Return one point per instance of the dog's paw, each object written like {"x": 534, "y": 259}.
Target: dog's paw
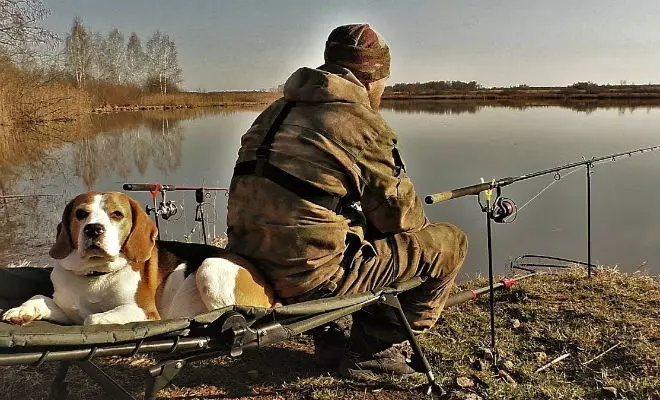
{"x": 22, "y": 315}
{"x": 100, "y": 318}
{"x": 108, "y": 317}
{"x": 120, "y": 315}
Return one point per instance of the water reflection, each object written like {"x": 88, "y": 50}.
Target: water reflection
{"x": 452, "y": 107}
{"x": 103, "y": 145}
{"x": 431, "y": 107}
{"x": 110, "y": 155}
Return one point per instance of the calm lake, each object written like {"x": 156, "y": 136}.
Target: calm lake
{"x": 444, "y": 147}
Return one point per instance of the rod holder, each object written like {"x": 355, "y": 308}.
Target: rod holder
{"x": 589, "y": 166}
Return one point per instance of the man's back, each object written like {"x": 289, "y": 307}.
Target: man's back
{"x": 332, "y": 139}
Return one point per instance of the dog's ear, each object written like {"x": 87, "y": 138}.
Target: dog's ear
{"x": 142, "y": 238}
{"x": 63, "y": 243}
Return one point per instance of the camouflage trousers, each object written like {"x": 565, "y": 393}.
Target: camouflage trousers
{"x": 436, "y": 253}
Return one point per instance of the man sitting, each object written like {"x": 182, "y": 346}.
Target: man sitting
{"x": 321, "y": 202}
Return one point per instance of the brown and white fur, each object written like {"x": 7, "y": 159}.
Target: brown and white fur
{"x": 111, "y": 270}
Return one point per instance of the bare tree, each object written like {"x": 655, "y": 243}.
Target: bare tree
{"x": 78, "y": 51}
{"x": 135, "y": 59}
{"x": 98, "y": 64}
{"x": 163, "y": 61}
{"x": 115, "y": 55}
{"x": 20, "y": 26}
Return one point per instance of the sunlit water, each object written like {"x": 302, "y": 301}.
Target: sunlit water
{"x": 444, "y": 148}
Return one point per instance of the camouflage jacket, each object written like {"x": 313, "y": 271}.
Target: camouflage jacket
{"x": 334, "y": 140}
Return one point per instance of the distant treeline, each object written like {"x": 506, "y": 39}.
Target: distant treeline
{"x": 473, "y": 88}
{"x": 111, "y": 58}
{"x": 457, "y": 90}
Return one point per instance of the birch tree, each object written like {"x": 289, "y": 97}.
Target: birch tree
{"x": 115, "y": 56}
{"x": 134, "y": 60}
{"x": 97, "y": 49}
{"x": 78, "y": 51}
{"x": 163, "y": 61}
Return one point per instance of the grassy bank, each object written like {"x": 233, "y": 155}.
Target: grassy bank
{"x": 190, "y": 100}
{"x": 39, "y": 98}
{"x": 27, "y": 99}
{"x": 543, "y": 318}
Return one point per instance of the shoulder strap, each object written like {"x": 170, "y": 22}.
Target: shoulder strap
{"x": 261, "y": 167}
{"x": 263, "y": 151}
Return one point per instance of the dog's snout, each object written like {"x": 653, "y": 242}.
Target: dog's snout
{"x": 94, "y": 230}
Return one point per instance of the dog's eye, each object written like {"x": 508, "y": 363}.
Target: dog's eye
{"x": 117, "y": 215}
{"x": 81, "y": 214}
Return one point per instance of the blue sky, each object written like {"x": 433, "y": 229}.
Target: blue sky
{"x": 256, "y": 44}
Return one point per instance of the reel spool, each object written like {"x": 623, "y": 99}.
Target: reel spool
{"x": 167, "y": 209}
{"x": 503, "y": 208}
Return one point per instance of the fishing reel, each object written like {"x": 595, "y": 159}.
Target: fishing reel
{"x": 166, "y": 209}
{"x": 501, "y": 208}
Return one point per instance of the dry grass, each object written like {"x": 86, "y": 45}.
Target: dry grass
{"x": 558, "y": 314}
{"x": 190, "y": 100}
{"x": 210, "y": 99}
{"x": 33, "y": 99}
{"x": 25, "y": 98}
{"x": 107, "y": 97}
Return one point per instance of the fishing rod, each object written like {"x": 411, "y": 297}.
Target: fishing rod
{"x": 501, "y": 182}
{"x": 472, "y": 294}
{"x": 168, "y": 208}
{"x": 499, "y": 209}
{"x": 157, "y": 187}
{"x": 22, "y": 196}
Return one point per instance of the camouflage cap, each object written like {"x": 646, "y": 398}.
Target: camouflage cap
{"x": 361, "y": 49}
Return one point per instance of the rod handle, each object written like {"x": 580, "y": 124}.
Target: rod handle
{"x": 147, "y": 187}
{"x": 438, "y": 197}
{"x": 452, "y": 194}
{"x": 467, "y": 190}
{"x": 461, "y": 297}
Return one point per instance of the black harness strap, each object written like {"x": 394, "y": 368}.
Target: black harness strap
{"x": 263, "y": 151}
{"x": 261, "y": 167}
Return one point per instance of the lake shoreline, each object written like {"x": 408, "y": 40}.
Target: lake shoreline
{"x": 509, "y": 97}
{"x": 578, "y": 91}
{"x": 167, "y": 107}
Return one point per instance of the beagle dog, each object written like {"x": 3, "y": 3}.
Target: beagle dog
{"x": 110, "y": 269}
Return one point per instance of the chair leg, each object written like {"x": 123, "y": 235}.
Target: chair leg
{"x": 434, "y": 387}
{"x": 99, "y": 376}
{"x": 161, "y": 376}
{"x": 58, "y": 388}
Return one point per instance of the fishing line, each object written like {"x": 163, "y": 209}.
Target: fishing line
{"x": 556, "y": 179}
